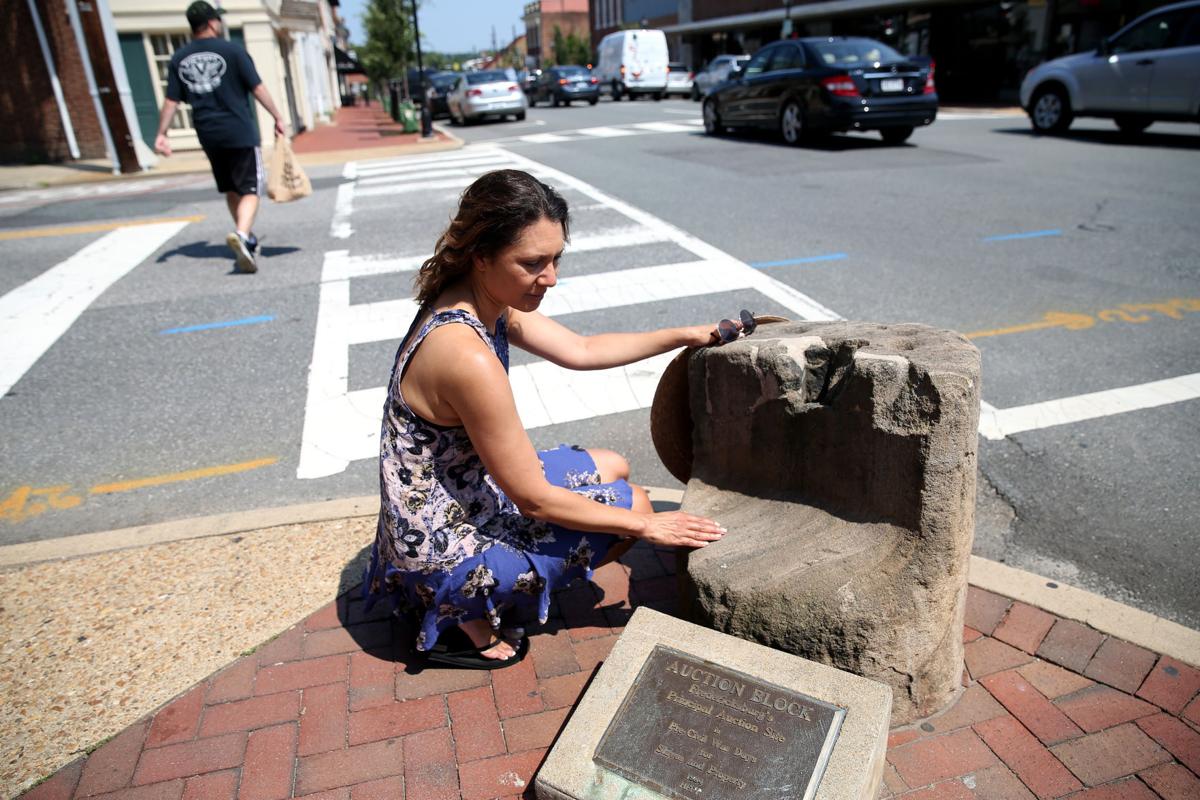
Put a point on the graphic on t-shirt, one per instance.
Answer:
(202, 71)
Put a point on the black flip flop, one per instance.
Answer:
(455, 649)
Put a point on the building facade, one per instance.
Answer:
(982, 49)
(58, 102)
(543, 18)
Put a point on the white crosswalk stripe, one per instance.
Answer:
(342, 425)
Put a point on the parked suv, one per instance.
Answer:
(1145, 72)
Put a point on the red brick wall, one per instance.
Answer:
(29, 116)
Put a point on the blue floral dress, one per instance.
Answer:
(450, 545)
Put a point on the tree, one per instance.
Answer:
(570, 49)
(390, 46)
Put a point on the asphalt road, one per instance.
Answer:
(974, 225)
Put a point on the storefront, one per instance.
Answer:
(982, 50)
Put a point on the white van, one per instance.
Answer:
(633, 62)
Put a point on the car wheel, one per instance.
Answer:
(616, 91)
(1131, 126)
(712, 119)
(520, 116)
(592, 101)
(896, 135)
(791, 123)
(658, 96)
(1050, 111)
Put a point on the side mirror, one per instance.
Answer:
(1104, 48)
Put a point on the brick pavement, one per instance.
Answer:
(335, 708)
(355, 128)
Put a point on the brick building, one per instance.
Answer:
(291, 42)
(37, 127)
(541, 19)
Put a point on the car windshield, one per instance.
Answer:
(486, 76)
(571, 72)
(444, 81)
(855, 53)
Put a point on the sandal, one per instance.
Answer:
(455, 649)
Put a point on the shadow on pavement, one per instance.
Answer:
(209, 251)
(1177, 141)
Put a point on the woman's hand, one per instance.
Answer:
(700, 335)
(679, 529)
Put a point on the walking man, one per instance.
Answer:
(214, 76)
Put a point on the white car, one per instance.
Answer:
(1147, 71)
(487, 93)
(714, 74)
(679, 79)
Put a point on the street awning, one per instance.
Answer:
(346, 63)
(802, 11)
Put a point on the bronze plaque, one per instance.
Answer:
(694, 730)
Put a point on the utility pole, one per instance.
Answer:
(426, 111)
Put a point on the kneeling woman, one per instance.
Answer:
(474, 522)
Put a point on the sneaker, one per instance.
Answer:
(242, 252)
(254, 243)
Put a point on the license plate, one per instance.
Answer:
(891, 85)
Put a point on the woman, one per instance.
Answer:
(474, 523)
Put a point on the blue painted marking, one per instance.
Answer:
(789, 261)
(1030, 235)
(210, 325)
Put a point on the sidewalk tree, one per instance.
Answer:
(390, 45)
(570, 49)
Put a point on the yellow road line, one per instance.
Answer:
(95, 227)
(174, 477)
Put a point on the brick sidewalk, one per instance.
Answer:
(331, 710)
(355, 128)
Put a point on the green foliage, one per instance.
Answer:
(390, 46)
(569, 49)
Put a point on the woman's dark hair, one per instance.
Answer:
(492, 213)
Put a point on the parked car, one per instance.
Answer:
(1146, 72)
(487, 93)
(633, 62)
(527, 78)
(714, 74)
(443, 83)
(824, 84)
(564, 84)
(679, 79)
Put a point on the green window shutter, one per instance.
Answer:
(141, 83)
(239, 36)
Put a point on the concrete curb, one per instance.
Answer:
(1107, 616)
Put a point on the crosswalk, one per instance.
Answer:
(341, 424)
(607, 132)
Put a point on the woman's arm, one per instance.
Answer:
(542, 336)
(465, 375)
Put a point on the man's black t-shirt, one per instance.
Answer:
(214, 75)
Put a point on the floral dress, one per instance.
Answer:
(450, 545)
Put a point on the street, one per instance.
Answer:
(160, 385)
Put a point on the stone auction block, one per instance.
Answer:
(841, 456)
(683, 712)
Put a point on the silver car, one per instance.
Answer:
(1147, 71)
(714, 74)
(487, 93)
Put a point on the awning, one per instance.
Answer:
(803, 11)
(346, 63)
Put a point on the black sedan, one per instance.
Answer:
(442, 83)
(816, 85)
(564, 84)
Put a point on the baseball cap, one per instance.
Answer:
(201, 12)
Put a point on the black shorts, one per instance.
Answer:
(237, 169)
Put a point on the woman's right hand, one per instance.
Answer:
(680, 529)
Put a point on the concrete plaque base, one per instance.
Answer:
(722, 732)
